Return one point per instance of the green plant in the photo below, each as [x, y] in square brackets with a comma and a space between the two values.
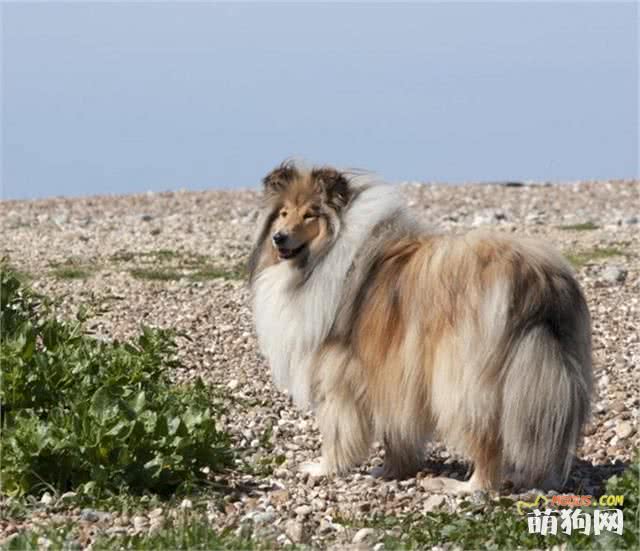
[72, 268]
[57, 537]
[156, 274]
[190, 531]
[212, 272]
[581, 258]
[169, 265]
[70, 272]
[78, 412]
[584, 226]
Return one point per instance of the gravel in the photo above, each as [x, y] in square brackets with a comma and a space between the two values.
[110, 236]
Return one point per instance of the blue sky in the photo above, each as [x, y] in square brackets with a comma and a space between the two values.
[104, 98]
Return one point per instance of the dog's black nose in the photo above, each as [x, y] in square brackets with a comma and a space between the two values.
[279, 237]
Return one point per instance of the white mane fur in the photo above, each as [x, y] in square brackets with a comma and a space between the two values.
[291, 326]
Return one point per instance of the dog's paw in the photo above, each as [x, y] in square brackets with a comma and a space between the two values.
[314, 468]
[443, 485]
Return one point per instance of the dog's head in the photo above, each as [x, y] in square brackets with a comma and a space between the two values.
[304, 210]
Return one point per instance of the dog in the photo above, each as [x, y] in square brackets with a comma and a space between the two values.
[394, 333]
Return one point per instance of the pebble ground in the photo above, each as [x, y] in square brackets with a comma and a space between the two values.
[199, 241]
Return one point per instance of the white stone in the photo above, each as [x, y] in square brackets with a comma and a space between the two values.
[155, 512]
[140, 522]
[433, 502]
[364, 534]
[303, 510]
[295, 530]
[614, 274]
[624, 429]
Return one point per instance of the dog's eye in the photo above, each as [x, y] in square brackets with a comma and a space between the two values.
[283, 213]
[309, 216]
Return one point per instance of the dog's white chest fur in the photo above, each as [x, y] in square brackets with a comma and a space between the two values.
[293, 323]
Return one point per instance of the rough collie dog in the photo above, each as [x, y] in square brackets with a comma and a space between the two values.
[393, 333]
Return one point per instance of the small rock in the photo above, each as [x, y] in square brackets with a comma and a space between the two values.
[632, 220]
[433, 502]
[614, 274]
[155, 513]
[157, 524]
[283, 540]
[479, 497]
[296, 531]
[364, 534]
[46, 499]
[279, 497]
[186, 504]
[319, 504]
[481, 220]
[89, 515]
[326, 527]
[233, 384]
[44, 543]
[534, 218]
[140, 523]
[364, 506]
[624, 429]
[488, 216]
[68, 495]
[244, 530]
[303, 510]
[264, 518]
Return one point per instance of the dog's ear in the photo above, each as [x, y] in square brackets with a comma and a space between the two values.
[279, 178]
[334, 184]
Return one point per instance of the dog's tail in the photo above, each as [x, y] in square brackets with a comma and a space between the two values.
[547, 395]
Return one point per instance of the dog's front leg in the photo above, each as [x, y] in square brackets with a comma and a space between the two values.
[346, 434]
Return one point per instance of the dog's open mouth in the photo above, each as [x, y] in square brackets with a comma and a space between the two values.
[286, 254]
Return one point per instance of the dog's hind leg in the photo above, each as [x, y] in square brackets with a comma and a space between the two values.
[401, 459]
[486, 474]
[346, 434]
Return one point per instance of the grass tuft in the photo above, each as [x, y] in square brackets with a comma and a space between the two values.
[72, 268]
[21, 275]
[156, 274]
[70, 272]
[190, 531]
[169, 265]
[581, 258]
[212, 272]
[584, 226]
